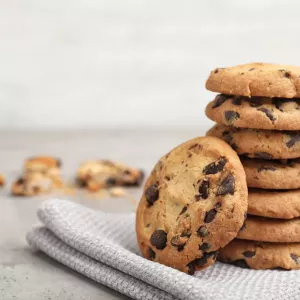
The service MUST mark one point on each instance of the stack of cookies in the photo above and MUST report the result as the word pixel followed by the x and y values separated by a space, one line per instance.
pixel 258 113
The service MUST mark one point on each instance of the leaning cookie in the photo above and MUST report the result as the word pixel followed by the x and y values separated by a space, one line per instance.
pixel 194 202
pixel 256 79
pixel 256 143
pixel 274 204
pixel 258 255
pixel 272 174
pixel 270 230
pixel 255 112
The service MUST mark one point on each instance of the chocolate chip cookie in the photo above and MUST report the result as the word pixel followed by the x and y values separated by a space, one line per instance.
pixel 256 79
pixel 255 112
pixel 258 255
pixel 274 204
pixel 194 202
pixel 256 143
pixel 270 230
pixel 99 174
pixel 32 184
pixel 272 174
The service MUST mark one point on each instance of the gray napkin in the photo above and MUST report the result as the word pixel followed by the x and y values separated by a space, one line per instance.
pixel 103 247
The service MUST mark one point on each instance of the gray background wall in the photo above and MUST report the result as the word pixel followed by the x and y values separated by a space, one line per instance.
pixel 130 64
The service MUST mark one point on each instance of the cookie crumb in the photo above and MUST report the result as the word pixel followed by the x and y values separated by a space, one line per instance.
pixel 117 192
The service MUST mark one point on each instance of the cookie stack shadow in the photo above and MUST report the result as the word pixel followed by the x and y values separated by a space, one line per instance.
pixel 258 113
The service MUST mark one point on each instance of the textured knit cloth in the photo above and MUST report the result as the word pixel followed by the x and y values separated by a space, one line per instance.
pixel 103 247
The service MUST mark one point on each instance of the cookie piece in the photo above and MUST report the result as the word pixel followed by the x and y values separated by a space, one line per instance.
pixel 2 180
pixel 41 164
pixel 256 79
pixel 258 255
pixel 272 174
pixel 193 203
pixel 270 230
pixel 272 114
pixel 256 143
pixel 99 174
pixel 274 204
pixel 32 184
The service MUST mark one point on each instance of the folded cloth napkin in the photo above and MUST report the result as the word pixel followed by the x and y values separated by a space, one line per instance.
pixel 103 247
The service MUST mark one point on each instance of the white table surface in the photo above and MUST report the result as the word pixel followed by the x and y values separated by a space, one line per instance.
pixel 28 275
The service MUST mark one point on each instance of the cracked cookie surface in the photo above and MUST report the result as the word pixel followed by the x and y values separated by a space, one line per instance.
pixel 271 114
pixel 259 255
pixel 256 79
pixel 272 174
pixel 194 202
pixel 259 143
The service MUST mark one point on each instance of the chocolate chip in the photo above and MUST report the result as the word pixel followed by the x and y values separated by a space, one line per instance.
pixel 58 162
pixel 285 73
pixel 202 231
pixel 215 167
pixel 152 194
pixel 81 183
pixel 231 116
pixel 249 253
pixel 255 102
pixel 294 139
pixel 203 190
pixel 21 180
pixel 295 258
pixel 204 246
pixel 210 215
pixel 266 168
pixel 167 178
pixel 159 239
pixel 251 69
pixel 236 101
pixel 240 263
pixel 184 209
pixel 219 100
pixel 200 262
pixel 227 137
pixel 268 113
pixel 263 155
pixel 151 254
pixel 111 181
pixel 216 71
pixel 227 186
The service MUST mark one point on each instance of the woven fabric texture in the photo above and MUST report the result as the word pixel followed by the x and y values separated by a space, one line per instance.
pixel 103 247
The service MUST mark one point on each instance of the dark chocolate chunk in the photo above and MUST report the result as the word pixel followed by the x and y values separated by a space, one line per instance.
pixel 200 262
pixel 216 71
pixel 240 263
pixel 255 102
pixel 219 100
pixel 231 116
pixel 210 215
pixel 249 253
pixel 167 178
pixel 227 137
pixel 152 194
pixel 295 258
pixel 111 181
pixel 204 246
pixel 266 168
pixel 263 155
pixel 81 183
pixel 202 231
pixel 251 69
pixel 285 73
pixel 294 139
pixel 159 239
pixel 58 162
pixel 267 112
pixel 203 189
pixel 215 167
pixel 236 101
pixel 227 186
pixel 151 254
pixel 21 180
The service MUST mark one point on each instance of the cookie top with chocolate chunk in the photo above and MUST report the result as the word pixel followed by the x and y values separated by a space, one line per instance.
pixel 256 79
pixel 194 202
pixel 274 204
pixel 41 163
pixel 272 174
pixel 258 255
pixel 255 112
pixel 256 143
pixel 270 230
